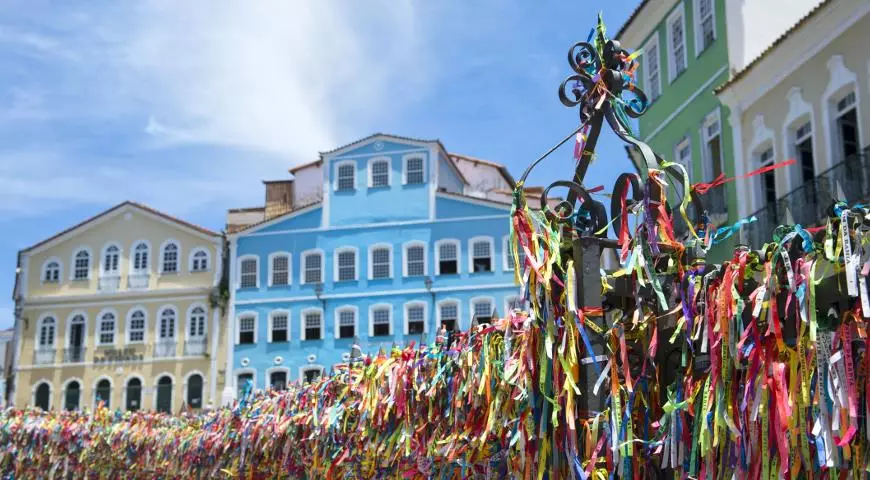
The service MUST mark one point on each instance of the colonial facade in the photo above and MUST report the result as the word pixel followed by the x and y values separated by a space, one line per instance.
pixel 689 48
pixel 804 98
pixel 121 309
pixel 381 242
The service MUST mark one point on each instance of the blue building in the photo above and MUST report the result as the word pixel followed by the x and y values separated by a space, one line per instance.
pixel 384 239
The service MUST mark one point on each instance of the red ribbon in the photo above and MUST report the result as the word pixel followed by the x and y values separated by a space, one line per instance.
pixel 703 188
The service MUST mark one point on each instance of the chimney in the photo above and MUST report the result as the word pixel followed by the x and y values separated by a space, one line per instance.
pixel 279 197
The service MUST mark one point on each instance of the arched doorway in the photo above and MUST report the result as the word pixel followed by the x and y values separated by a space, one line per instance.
pixel 194 391
pixel 164 394
pixel 134 394
pixel 72 396
pixel 103 393
pixel 42 397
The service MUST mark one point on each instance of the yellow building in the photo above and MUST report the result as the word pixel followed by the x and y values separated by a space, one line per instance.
pixel 122 307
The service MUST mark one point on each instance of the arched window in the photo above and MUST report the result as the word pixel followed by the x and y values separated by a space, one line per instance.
pixel 197 323
pixel 169 258
pixel 245 383
pixel 312 324
pixel 107 329
pixel 280 269
pixel 345 264
pixel 346 322
pixel 133 394
pixel 248 274
pixel 379 172
pixel 415 259
pixel 164 394
pixel 111 260
pixel 76 338
pixel 247 330
pixel 448 257
pixel 72 395
pixel 481 254
pixel 46 332
pixel 42 396
pixel 82 265
pixel 380 261
pixel 413 172
pixel 345 179
pixel 167 325
pixel 140 258
pixel 136 327
pixel 278 379
pixel 482 310
pixel 51 273
pixel 380 320
pixel 103 393
pixel 194 391
pixel 312 373
pixel 415 318
pixel 279 326
pixel 448 315
pixel 199 261
pixel 312 267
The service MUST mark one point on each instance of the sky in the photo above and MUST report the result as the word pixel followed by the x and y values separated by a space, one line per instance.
pixel 187 106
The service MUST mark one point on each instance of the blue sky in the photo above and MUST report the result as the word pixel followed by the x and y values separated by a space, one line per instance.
pixel 186 106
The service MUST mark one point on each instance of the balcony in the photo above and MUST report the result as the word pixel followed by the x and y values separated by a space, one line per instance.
pixel 44 356
pixel 810 202
pixel 164 349
pixel 109 283
pixel 138 280
pixel 74 355
pixel 195 346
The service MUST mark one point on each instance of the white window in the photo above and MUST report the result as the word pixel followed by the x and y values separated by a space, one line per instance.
pixel 677 43
pixel 380 261
pixel 414 170
pixel 448 257
pixel 380 320
pixel 107 329
pixel 196 323
pixel 803 150
pixel 847 140
pixel 683 155
pixel 247 330
pixel 47 330
pixel 415 318
pixel 482 310
pixel 312 267
pixel 415 259
pixel 51 271
pixel 248 272
pixel 311 373
pixel 82 265
pixel 345 264
pixel 140 258
pixel 199 261
pixel 379 172
pixel 76 333
pixel 169 258
pixel 767 180
pixel 280 269
pixel 448 315
pixel 346 318
pixel 712 157
pixel 166 333
pixel 312 324
pixel 652 82
pixel 481 254
pixel 705 25
pixel 136 326
pixel 111 259
pixel 279 326
pixel 345 178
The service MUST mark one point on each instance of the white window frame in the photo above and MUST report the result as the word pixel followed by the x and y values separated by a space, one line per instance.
pixel 506 254
pixel 406 320
pixel 103 252
pixel 159 318
pixel 126 387
pixel 94 389
pixel 44 269
pixel 713 117
pixel 178 261
pixel 481 238
pixel 841 82
pixel 99 329
pixel 128 329
pixel 652 42
pixel 335 319
pixel 35 387
pixel 189 319
pixel 372 309
pixel 340 164
pixel 72 270
pixel 272 257
pixel 154 389
pixel 306 368
pixel 238 330
pixel 371 269
pixel 481 298
pixel 204 385
pixel 415 243
pixel 405 159
pixel 239 261
pixel 132 259
pixel 40 324
pixel 302 258
pixel 207 260
pixel 272 314
pixel 335 254
pixel 458 245
pixel 678 15
pixel 81 392
pixel 799 113
pixel 370 171
pixel 68 328
pixel 302 315
pixel 237 372
pixel 699 35
pixel 276 369
pixel 685 141
pixel 452 301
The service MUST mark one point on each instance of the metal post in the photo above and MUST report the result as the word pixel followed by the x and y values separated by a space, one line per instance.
pixel 587 262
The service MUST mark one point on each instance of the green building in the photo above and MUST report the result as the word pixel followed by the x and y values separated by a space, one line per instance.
pixel 689 48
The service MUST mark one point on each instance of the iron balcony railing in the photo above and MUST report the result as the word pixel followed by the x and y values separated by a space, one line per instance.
pixel 810 202
pixel 44 355
pixel 164 349
pixel 195 346
pixel 138 280
pixel 74 354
